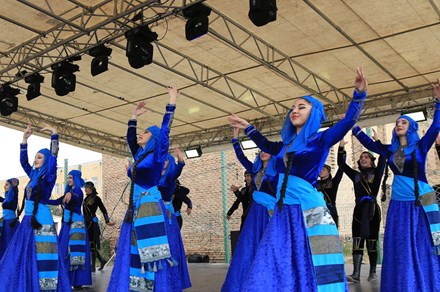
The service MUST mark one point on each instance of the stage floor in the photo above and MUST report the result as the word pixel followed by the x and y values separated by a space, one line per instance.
pixel 210 277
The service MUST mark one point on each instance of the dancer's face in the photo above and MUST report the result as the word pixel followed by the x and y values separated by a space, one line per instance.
pixel 88 190
pixel 39 160
pixel 264 156
pixel 365 160
pixel 300 112
pixel 402 126
pixel 324 173
pixel 70 180
pixel 143 138
pixel 7 186
pixel 248 179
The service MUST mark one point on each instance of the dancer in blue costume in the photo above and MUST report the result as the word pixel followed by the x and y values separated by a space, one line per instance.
pixel 300 249
pixel 32 261
pixel 167 185
pixel 264 184
pixel 9 221
pixel 412 232
pixel 73 240
pixel 143 259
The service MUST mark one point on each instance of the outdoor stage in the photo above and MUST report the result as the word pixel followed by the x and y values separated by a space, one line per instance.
pixel 210 277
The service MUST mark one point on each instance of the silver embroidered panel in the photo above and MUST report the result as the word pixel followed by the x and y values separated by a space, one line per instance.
pixel 318 216
pixel 154 253
pixel 48 284
pixel 141 284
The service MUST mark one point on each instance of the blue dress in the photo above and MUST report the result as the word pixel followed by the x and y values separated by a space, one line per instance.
pixel 264 196
pixel 81 275
pixel 9 205
pixel 300 249
pixel 166 186
pixel 128 270
pixel 410 258
pixel 24 269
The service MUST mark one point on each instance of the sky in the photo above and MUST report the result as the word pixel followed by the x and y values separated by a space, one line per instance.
pixel 10 149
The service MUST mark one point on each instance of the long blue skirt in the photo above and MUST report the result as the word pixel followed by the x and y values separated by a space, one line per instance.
pixel 250 236
pixel 166 280
pixel 283 261
pixel 78 277
pixel 409 262
pixel 177 248
pixel 18 267
pixel 6 234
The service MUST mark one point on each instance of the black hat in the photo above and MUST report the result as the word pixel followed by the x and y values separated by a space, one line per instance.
pixel 89 184
pixel 329 168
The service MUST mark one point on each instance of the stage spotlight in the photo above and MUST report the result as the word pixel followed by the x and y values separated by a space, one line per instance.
pixel 261 12
pixel 197 24
pixel 8 100
pixel 193 152
pixel 100 60
pixel 63 79
pixel 34 87
pixel 139 50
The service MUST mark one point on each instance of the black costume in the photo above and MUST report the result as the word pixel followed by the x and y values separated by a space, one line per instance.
pixel 366 214
pixel 329 187
pixel 244 196
pixel 180 197
pixel 91 203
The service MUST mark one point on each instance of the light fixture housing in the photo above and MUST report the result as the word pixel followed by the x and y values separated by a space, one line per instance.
pixel 139 50
pixel 261 12
pixel 34 81
pixel 63 79
pixel 416 115
pixel 99 63
pixel 248 144
pixel 198 22
pixel 8 100
pixel 193 152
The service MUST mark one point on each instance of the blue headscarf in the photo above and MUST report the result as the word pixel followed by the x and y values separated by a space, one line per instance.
pixel 151 144
pixel 311 127
pixel 12 192
pixel 170 169
pixel 78 182
pixel 37 173
pixel 412 136
pixel 270 168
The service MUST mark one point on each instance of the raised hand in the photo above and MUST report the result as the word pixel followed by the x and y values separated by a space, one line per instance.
pixel 436 88
pixel 375 137
pixel 235 131
pixel 179 154
pixel 174 93
pixel 342 143
pixel 139 110
pixel 51 129
pixel 360 81
pixel 27 132
pixel 238 122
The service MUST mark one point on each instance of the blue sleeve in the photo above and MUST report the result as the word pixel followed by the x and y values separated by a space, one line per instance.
pixel 132 137
pixel 51 175
pixel 265 145
pixel 24 161
pixel 426 141
pixel 164 140
pixel 55 202
pixel 335 133
pixel 240 155
pixel 179 168
pixel 367 142
pixel 1 199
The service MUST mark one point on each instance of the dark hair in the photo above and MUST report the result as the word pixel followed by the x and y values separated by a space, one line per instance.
pixel 384 182
pixel 19 211
pixel 34 222
pixel 285 179
pixel 416 179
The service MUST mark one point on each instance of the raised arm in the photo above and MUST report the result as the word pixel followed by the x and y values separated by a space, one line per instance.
pixel 380 169
pixel 132 127
pixel 247 164
pixel 335 133
pixel 24 159
pixel 51 174
pixel 370 144
pixel 56 202
pixel 164 140
pixel 342 154
pixel 430 137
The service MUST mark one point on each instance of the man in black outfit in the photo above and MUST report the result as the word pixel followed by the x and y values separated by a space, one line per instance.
pixel 180 197
pixel 244 196
pixel 91 203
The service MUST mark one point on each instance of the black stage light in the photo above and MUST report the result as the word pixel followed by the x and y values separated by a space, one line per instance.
pixel 34 87
pixel 198 22
pixel 139 48
pixel 8 100
pixel 63 79
pixel 100 60
pixel 261 12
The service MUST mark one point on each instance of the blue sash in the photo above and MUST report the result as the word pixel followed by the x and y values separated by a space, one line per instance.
pixel 403 190
pixel 170 210
pixel 77 240
pixel 9 214
pixel 325 244
pixel 46 247
pixel 265 200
